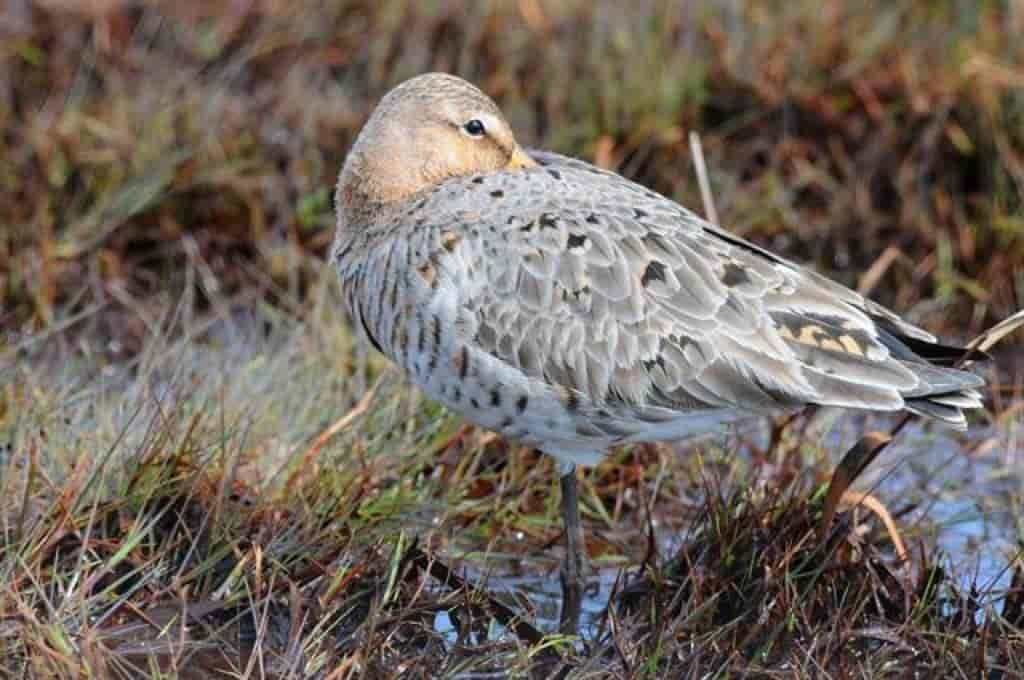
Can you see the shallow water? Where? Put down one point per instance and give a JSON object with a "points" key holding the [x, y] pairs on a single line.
{"points": [[959, 493], [967, 489]]}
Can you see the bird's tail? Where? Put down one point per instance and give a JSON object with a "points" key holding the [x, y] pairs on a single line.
{"points": [[944, 390]]}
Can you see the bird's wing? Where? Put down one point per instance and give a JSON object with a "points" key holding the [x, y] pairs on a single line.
{"points": [[618, 295]]}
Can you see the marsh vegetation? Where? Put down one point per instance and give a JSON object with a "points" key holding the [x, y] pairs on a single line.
{"points": [[202, 474]]}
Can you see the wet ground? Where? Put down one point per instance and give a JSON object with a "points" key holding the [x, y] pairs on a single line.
{"points": [[957, 495]]}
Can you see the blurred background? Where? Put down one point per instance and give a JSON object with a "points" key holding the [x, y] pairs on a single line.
{"points": [[186, 422], [882, 143]]}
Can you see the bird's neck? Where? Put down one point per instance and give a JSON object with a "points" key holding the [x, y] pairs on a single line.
{"points": [[368, 188], [357, 198]]}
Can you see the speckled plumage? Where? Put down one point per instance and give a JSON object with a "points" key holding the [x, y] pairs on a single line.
{"points": [[571, 309]]}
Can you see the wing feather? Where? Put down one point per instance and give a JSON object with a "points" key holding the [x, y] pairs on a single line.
{"points": [[623, 298]]}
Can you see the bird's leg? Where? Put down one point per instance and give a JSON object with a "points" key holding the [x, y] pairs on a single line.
{"points": [[572, 568]]}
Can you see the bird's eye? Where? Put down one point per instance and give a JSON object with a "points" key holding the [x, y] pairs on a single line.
{"points": [[474, 128]]}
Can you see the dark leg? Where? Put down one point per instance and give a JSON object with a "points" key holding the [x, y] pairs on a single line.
{"points": [[572, 568]]}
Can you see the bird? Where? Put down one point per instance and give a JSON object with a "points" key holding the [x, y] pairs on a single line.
{"points": [[573, 310]]}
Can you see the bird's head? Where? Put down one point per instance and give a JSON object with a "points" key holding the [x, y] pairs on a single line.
{"points": [[429, 129]]}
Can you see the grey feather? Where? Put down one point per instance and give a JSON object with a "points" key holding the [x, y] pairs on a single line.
{"points": [[635, 315]]}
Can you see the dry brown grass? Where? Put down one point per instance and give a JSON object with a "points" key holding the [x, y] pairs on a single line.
{"points": [[181, 493], [846, 139]]}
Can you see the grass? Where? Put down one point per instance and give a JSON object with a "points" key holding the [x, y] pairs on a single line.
{"points": [[896, 132], [202, 511], [224, 504], [193, 480]]}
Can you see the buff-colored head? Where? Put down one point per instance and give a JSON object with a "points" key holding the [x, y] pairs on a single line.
{"points": [[428, 129]]}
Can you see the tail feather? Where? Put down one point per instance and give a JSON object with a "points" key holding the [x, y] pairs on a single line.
{"points": [[943, 392], [915, 350], [967, 399], [937, 381], [947, 414]]}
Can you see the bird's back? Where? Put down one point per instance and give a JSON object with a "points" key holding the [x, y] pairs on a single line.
{"points": [[573, 309]]}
